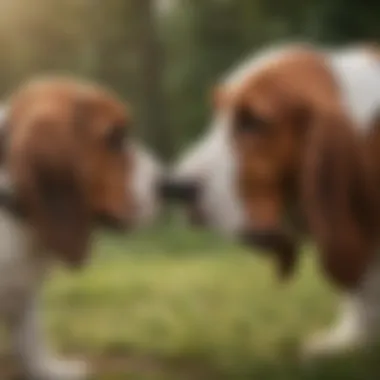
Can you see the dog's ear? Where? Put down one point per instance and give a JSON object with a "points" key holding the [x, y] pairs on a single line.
{"points": [[43, 160], [340, 198]]}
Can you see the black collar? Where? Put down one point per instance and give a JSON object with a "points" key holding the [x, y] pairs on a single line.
{"points": [[9, 203]]}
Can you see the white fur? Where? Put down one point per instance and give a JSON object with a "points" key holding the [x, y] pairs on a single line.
{"points": [[358, 324], [358, 76], [211, 161], [147, 173], [35, 356]]}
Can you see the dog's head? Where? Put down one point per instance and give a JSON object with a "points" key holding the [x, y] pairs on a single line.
{"points": [[70, 161], [274, 131]]}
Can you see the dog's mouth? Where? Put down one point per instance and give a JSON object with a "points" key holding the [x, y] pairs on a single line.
{"points": [[280, 244], [178, 191]]}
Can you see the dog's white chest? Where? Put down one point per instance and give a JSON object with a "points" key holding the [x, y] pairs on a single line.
{"points": [[20, 268]]}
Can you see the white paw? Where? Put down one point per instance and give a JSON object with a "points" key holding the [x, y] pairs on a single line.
{"points": [[327, 344], [55, 369], [316, 346]]}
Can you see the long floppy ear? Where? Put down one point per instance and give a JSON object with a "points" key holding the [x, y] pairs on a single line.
{"points": [[44, 167], [340, 198]]}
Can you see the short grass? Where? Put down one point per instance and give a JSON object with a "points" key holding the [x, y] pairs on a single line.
{"points": [[174, 303]]}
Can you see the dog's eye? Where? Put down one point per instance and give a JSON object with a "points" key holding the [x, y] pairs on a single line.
{"points": [[117, 138], [247, 122]]}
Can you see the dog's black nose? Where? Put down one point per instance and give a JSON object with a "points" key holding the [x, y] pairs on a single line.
{"points": [[180, 191]]}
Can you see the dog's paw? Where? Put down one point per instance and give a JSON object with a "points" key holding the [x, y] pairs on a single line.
{"points": [[54, 369], [317, 346], [329, 344]]}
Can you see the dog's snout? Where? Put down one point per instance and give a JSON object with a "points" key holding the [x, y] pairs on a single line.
{"points": [[181, 191]]}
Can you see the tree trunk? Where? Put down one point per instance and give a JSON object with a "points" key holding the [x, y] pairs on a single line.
{"points": [[154, 124]]}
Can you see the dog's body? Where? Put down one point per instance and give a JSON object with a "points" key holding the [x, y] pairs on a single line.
{"points": [[301, 115], [24, 267], [26, 259]]}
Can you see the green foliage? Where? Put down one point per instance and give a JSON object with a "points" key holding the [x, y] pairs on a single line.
{"points": [[345, 22], [166, 65]]}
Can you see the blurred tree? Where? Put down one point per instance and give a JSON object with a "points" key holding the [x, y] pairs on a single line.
{"points": [[342, 21], [206, 38], [150, 73], [199, 51], [164, 55]]}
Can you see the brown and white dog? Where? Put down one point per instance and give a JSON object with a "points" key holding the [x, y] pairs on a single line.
{"points": [[68, 164], [298, 125]]}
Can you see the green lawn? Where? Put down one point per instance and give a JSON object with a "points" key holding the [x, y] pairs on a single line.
{"points": [[178, 304]]}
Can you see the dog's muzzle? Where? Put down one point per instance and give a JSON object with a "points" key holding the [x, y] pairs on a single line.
{"points": [[281, 244], [186, 192]]}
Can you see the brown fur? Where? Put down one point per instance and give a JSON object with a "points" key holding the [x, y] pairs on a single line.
{"points": [[64, 173], [340, 198], [299, 139]]}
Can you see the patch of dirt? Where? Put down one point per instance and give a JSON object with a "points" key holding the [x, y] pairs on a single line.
{"points": [[114, 365], [184, 369]]}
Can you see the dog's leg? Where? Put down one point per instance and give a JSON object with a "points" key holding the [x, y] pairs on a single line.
{"points": [[348, 333], [33, 354], [359, 323]]}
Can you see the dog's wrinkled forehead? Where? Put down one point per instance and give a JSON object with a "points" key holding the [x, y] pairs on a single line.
{"points": [[62, 97]]}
